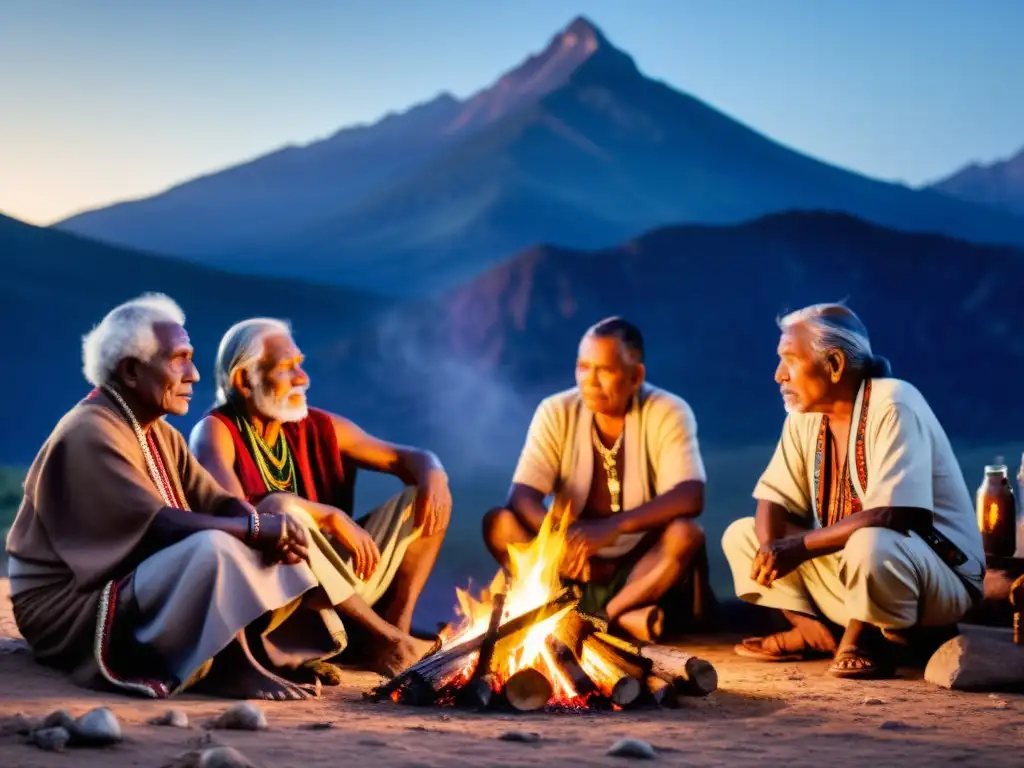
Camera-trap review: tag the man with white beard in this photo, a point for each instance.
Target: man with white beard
(262, 439)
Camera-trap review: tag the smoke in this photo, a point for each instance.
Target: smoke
(470, 415)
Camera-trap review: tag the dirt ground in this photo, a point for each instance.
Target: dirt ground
(772, 716)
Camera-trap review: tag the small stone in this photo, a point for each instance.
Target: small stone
(217, 757)
(893, 725)
(19, 723)
(870, 702)
(632, 748)
(173, 718)
(998, 703)
(60, 718)
(51, 739)
(526, 737)
(98, 727)
(241, 717)
(326, 725)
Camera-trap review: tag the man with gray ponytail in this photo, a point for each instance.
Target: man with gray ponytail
(864, 534)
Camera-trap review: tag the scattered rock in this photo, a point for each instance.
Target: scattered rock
(217, 757)
(893, 725)
(998, 703)
(61, 718)
(20, 724)
(241, 717)
(51, 739)
(632, 748)
(527, 737)
(871, 702)
(97, 727)
(173, 718)
(326, 725)
(976, 663)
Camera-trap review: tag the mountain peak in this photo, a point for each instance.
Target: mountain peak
(540, 74)
(582, 31)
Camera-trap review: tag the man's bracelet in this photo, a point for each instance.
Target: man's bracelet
(254, 525)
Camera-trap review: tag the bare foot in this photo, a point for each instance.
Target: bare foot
(236, 674)
(645, 624)
(393, 657)
(246, 682)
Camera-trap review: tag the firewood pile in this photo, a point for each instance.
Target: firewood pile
(552, 657)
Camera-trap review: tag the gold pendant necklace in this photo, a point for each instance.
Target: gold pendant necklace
(608, 457)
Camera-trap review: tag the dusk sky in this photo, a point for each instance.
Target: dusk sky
(113, 99)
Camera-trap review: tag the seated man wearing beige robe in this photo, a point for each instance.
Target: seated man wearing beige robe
(130, 567)
(262, 438)
(864, 528)
(621, 458)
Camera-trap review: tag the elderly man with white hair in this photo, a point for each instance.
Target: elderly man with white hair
(263, 441)
(131, 567)
(864, 530)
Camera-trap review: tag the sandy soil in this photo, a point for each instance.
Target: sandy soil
(764, 715)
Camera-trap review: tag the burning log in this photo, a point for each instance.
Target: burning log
(527, 690)
(570, 666)
(615, 676)
(477, 692)
(689, 675)
(661, 693)
(437, 668)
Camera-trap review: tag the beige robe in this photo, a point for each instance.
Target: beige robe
(89, 501)
(660, 451)
(881, 577)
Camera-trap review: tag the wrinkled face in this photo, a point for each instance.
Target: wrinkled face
(280, 391)
(164, 383)
(804, 378)
(606, 376)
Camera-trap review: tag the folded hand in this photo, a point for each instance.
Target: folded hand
(354, 538)
(777, 559)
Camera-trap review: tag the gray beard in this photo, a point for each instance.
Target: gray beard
(278, 409)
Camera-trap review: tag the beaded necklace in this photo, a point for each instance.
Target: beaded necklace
(154, 463)
(275, 463)
(608, 459)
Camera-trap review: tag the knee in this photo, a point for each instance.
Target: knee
(871, 548)
(209, 550)
(681, 537)
(499, 525)
(740, 540)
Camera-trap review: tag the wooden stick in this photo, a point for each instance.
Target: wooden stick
(689, 675)
(528, 689)
(619, 680)
(572, 630)
(599, 624)
(661, 693)
(477, 691)
(570, 666)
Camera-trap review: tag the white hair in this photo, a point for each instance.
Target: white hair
(241, 348)
(834, 326)
(127, 331)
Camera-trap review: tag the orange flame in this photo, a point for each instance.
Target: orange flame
(533, 581)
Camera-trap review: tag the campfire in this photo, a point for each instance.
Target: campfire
(523, 645)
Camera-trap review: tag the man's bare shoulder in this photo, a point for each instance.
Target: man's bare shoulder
(211, 434)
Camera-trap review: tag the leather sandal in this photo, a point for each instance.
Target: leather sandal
(853, 663)
(780, 646)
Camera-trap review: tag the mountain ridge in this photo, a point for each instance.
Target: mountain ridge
(999, 184)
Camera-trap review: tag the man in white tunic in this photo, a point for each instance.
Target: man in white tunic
(863, 517)
(621, 459)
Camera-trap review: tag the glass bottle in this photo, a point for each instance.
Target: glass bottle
(997, 512)
(1020, 517)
